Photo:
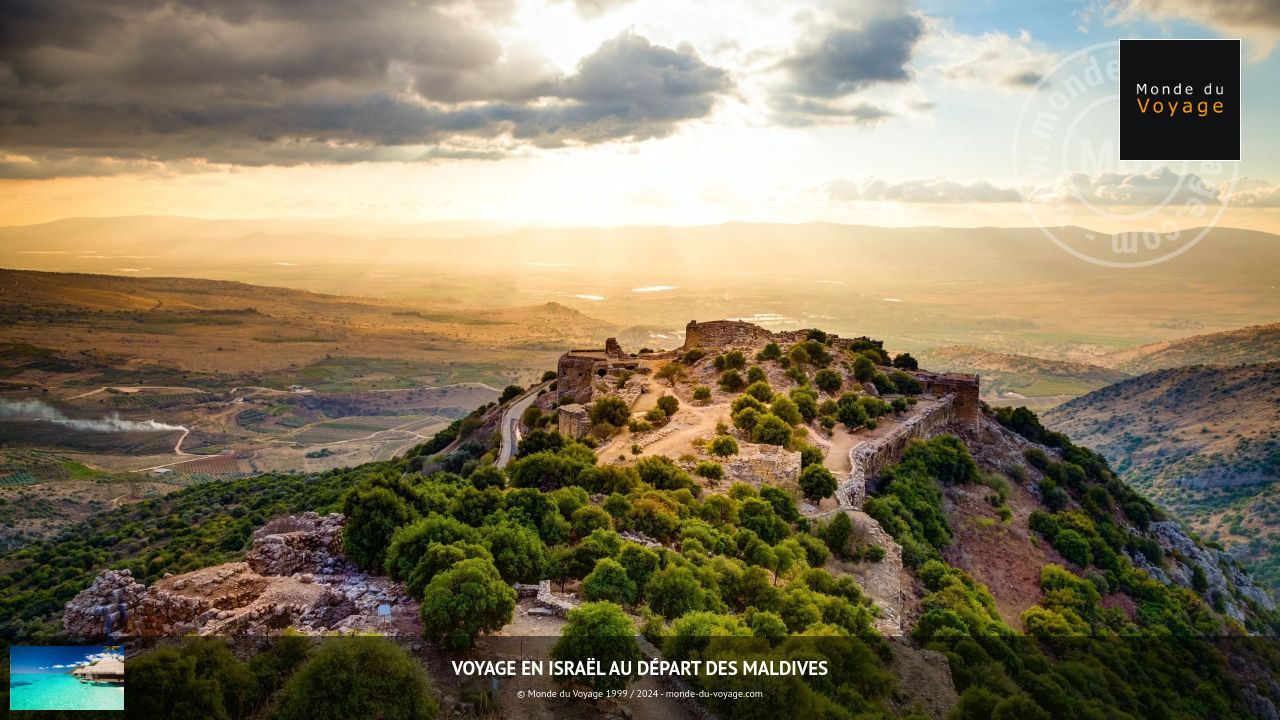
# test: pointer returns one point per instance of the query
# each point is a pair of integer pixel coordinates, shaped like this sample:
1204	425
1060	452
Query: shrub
655	416
905	362
197	680
785	408
724	446
770	351
669	404
461	603
331	685
518	553
437	558
771	430
675	591
755	374
510	392
598	631
731	381
760	391
1074	547
609	581
487	476
589	518
702	393
662	473
817	482
373	515
611	410
709	470
836	534
828	381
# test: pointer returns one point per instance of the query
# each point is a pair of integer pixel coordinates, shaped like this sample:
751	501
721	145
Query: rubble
294	576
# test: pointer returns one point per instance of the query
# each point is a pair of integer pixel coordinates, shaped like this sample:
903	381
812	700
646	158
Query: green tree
461	603
339	681
731	381
518	553
828	381
675	591
437	558
598	631
1073	547
662	473
724	446
410	542
669	404
702	393
487	476
904	361
589	518
198	679
817	482
771	430
785	408
863	368
610	409
709	470
770	351
836	534
760	390
609	581
373	515
510	392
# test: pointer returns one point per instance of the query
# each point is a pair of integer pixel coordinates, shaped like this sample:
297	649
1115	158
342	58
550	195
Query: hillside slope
1201	440
1020	379
1254	344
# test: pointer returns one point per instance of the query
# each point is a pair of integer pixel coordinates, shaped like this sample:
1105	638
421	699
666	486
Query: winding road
511	421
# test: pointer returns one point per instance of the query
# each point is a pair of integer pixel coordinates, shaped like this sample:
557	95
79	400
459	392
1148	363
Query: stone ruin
578	371
294	575
573	421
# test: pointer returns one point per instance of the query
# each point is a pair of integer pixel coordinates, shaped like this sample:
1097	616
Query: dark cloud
297	81
844	61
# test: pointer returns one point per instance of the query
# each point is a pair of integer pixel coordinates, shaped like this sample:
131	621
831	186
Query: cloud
992	59
821	76
86	88
1252	193
935	190
1254	20
1160	186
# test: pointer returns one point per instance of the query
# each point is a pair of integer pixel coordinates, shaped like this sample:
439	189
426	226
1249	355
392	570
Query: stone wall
869	458
577	372
964	387
716	334
760	465
572	421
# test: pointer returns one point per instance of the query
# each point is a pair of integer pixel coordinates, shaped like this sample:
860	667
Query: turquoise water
61	692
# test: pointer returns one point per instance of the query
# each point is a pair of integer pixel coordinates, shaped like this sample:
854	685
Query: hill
1201	440
1254	344
1019	379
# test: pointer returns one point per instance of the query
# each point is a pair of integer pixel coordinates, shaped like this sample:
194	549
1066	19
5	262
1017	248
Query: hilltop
1035	382
1254	344
1200	440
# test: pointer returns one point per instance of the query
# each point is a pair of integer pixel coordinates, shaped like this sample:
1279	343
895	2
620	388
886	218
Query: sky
54	659
603	112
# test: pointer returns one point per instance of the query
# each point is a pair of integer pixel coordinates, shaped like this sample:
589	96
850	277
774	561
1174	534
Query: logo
1095	196
1179	99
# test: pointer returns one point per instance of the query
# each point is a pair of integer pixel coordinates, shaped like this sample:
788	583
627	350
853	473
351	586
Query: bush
755	374
669	404
710	470
905	362
675	591
609	581
828	381
761	391
199	679
598	631
510	392
770	351
836	534
589	518
724	446
785	408
817	482
373	515
655	416
702	393
611	410
771	430
437	558
731	381
461	603
662	473
487	476
1074	547
518	553
337	682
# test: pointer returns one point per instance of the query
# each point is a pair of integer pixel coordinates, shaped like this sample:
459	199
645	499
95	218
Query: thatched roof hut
106	670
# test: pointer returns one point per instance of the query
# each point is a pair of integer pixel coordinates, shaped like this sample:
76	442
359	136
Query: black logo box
1185	64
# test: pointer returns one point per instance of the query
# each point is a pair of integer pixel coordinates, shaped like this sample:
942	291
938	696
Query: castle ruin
578	370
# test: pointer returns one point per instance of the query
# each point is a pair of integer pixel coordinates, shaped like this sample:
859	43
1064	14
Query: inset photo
61	677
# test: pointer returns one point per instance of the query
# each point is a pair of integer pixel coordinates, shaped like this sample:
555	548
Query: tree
548	375
785	408
731	381
589	518
771	430
540	440
459	604
510	392
850	412
863	368
661	472
702	393
828	381
373	515
806	402
437	558
675	591
756	374
724	446
673	373
334	684
410	542
598	631
817	482
487	476
609	581
709	470
1073	547
770	351
518	553
760	390
905	362
669	404
610	409
197	680
836	534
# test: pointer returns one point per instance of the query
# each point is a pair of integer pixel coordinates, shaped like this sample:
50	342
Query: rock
540	611
307	578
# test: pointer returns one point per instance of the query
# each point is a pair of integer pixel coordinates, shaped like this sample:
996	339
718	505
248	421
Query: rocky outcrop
291	545
1186	555
104	609
294	576
760	465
